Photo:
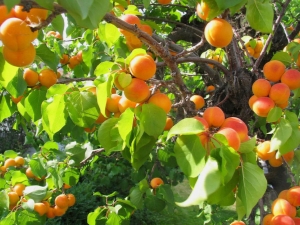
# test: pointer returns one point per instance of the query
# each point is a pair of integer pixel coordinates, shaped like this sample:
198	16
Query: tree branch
95	152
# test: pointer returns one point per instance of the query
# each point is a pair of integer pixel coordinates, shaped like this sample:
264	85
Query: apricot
17	99
31	77
4	14
125	103
263	151
283	105
162	101
9	162
156	182
164	2
20	161
40	208
19	58
214	116
288	156
59	211
202	10
16	35
232	137
198	101
202	121
142	67
169	123
29	173
210	88
137	91
261	88
146	28
47	77
64	59
131	19
73	61
273	70
61	201
291	78
296	220
275	162
293	196
282	220
279	93
19	188
237	223
89	129
251	101
250	51
217	58
283	207
71	200
34	15
13	198
259	46
55	34
238	125
50	214
112	103
218	33
101	118
262	106
267	219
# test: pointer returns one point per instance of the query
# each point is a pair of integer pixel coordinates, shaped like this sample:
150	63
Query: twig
191	49
95	152
66	81
289	171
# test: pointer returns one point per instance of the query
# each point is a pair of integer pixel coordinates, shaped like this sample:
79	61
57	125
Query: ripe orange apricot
164	2
296	220
29	173
273	70
217	58
79	56
282	220
40	208
251	100
237	223
9	162
250	51
64	59
142	67
35	15
214	116
218	33
101	118
4	14
161	100
275	162
31	77
137	91
133	42
267	219
263	150
19	188
279	93
288	156
125	103
73	61
66	186
50	214
202	10
210	88
259	46
16	100
19	58
283	194
198	101
16	35
261	88
89	130
61	201
293	196
169	123
232	137
156	182
59	211
47	77
238	125
54	34
146	28
112	103
71	200
13	198
262	106
283	207
291	78
131	19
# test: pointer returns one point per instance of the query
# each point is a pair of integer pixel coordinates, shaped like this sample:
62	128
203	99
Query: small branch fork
271	35
94	153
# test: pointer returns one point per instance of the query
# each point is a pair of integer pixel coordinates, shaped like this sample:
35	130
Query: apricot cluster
264	153
255	50
133	41
17	36
267	95
213	121
284	208
18	162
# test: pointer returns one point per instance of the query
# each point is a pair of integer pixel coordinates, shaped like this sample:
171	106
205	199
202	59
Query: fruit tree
205	89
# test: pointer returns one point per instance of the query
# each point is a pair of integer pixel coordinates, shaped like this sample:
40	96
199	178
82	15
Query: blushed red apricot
293	196
263	150
112	103
283	207
214	116
137	91
262	106
232	137
161	100
291	78
238	125
282	220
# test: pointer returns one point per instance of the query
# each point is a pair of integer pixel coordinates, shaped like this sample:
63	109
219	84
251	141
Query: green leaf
190	155
291	143
260	15
10	154
71	176
252	186
8	72
82	108
154	203
208	182
56	177
98	217
33	103
38	167
283	57
113	219
7	107
36	192
248	146
4	200
186	126
47	56
104	134
47	4
11	3
274	114
281	134
25	217
18	177
109	33
104	68
134	53
165	192
125	125
58	23
146	3
136	197
87	14
77	152
249	157
17	86
103	92
152	119
227	4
